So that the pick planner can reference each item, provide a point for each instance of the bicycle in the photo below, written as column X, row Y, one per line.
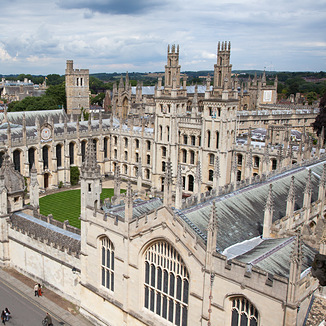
column 45, row 322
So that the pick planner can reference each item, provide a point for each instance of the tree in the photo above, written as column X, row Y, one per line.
column 57, row 93
column 320, row 121
column 74, row 175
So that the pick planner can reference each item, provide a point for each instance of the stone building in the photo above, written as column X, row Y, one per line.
column 77, row 88
column 196, row 127
column 18, row 90
column 221, row 230
column 236, row 258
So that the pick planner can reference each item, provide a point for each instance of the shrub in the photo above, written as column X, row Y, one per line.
column 74, row 175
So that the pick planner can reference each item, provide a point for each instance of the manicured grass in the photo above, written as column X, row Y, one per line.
column 65, row 205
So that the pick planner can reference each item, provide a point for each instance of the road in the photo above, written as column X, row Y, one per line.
column 24, row 311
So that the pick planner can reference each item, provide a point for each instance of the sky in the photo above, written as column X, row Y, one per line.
column 38, row 36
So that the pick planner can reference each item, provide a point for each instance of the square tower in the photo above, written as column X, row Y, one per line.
column 77, row 88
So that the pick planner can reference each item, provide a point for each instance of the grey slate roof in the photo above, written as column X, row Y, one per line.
column 240, row 214
column 274, row 256
column 48, row 232
column 140, row 207
column 30, row 116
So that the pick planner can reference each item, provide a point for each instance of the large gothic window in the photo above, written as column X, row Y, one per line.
column 45, row 155
column 83, row 150
column 244, row 312
column 166, row 283
column 105, row 148
column 31, row 157
column 107, row 263
column 16, row 155
column 71, row 153
column 59, row 155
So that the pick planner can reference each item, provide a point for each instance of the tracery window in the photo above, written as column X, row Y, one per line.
column 107, row 263
column 244, row 313
column 59, row 156
column 105, row 148
column 71, row 153
column 166, row 283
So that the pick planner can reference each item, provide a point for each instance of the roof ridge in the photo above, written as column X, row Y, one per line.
column 270, row 252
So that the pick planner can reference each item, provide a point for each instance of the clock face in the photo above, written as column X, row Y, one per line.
column 46, row 133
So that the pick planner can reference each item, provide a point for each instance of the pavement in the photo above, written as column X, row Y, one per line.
column 62, row 310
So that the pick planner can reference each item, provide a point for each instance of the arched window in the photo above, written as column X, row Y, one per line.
column 208, row 138
column 211, row 159
column 126, row 142
column 210, row 175
column 184, row 156
column 163, row 151
column 107, row 263
column 238, row 175
column 168, row 133
column 95, row 147
column 58, row 149
column 161, row 132
column 147, row 173
column 148, row 159
column 137, row 143
column 239, row 159
column 16, row 155
column 125, row 169
column 166, row 283
column 256, row 162
column 193, row 140
column 31, row 157
column 274, row 164
column 244, row 313
column 45, row 156
column 72, row 153
column 148, row 145
column 190, row 183
column 192, row 157
column 83, row 150
column 217, row 139
column 105, row 148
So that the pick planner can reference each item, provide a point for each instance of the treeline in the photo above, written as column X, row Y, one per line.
column 53, row 99
column 311, row 84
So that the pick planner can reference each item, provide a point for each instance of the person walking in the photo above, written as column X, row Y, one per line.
column 39, row 290
column 3, row 317
column 7, row 313
column 36, row 289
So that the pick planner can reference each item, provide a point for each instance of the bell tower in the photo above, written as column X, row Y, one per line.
column 172, row 69
column 222, row 69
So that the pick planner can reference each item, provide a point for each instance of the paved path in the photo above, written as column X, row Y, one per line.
column 25, row 292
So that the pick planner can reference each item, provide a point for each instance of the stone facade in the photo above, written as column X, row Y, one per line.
column 77, row 88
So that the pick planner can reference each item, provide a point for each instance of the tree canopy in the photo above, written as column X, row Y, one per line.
column 320, row 121
column 54, row 98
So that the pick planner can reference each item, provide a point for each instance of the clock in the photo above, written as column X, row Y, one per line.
column 46, row 133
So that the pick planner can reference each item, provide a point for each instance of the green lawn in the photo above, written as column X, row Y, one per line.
column 65, row 205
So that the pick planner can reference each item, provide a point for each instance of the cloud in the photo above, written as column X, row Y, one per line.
column 4, row 55
column 114, row 7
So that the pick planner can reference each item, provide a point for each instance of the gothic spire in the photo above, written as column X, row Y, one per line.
column 270, row 202
column 212, row 224
column 308, row 188
column 296, row 255
column 90, row 168
column 291, row 194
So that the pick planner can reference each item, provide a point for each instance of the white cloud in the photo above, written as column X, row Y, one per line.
column 103, row 35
